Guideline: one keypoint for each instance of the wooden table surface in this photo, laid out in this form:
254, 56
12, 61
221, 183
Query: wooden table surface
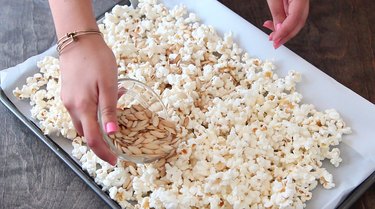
337, 38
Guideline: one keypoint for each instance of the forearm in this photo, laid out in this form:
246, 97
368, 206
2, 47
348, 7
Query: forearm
72, 15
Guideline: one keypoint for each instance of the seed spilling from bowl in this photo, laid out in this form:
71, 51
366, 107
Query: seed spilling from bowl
142, 132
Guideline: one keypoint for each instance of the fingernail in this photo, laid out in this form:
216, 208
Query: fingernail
114, 162
278, 26
271, 37
276, 44
277, 41
121, 91
111, 127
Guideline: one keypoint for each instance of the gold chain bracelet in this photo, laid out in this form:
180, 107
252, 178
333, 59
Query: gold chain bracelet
72, 37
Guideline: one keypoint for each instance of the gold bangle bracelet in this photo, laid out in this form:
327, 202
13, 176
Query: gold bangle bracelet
72, 37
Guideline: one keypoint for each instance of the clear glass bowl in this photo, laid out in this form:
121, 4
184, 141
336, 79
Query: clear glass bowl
133, 92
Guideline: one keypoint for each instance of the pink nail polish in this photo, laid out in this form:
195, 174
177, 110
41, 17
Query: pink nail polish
114, 162
278, 26
111, 128
270, 38
276, 44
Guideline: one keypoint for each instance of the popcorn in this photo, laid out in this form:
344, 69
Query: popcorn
78, 150
246, 139
120, 194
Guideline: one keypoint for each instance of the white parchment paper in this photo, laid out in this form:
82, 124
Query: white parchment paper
357, 149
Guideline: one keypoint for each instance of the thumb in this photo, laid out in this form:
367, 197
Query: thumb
107, 106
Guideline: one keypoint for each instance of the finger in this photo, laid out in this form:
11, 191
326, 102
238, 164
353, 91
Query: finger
293, 23
75, 119
121, 91
270, 38
77, 124
94, 138
286, 33
269, 24
282, 41
286, 6
108, 94
277, 11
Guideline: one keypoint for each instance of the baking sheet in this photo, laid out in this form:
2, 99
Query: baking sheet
317, 88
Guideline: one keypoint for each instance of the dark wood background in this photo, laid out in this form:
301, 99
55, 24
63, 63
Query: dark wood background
338, 39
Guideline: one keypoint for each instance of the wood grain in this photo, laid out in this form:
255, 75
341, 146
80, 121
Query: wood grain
338, 39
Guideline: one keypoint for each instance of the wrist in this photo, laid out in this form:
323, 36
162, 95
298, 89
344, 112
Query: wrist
84, 44
75, 36
64, 32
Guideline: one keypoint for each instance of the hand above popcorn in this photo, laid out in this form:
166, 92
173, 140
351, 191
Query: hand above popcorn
288, 18
89, 83
88, 75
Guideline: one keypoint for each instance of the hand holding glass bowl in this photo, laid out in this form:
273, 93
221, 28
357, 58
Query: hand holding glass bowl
145, 132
